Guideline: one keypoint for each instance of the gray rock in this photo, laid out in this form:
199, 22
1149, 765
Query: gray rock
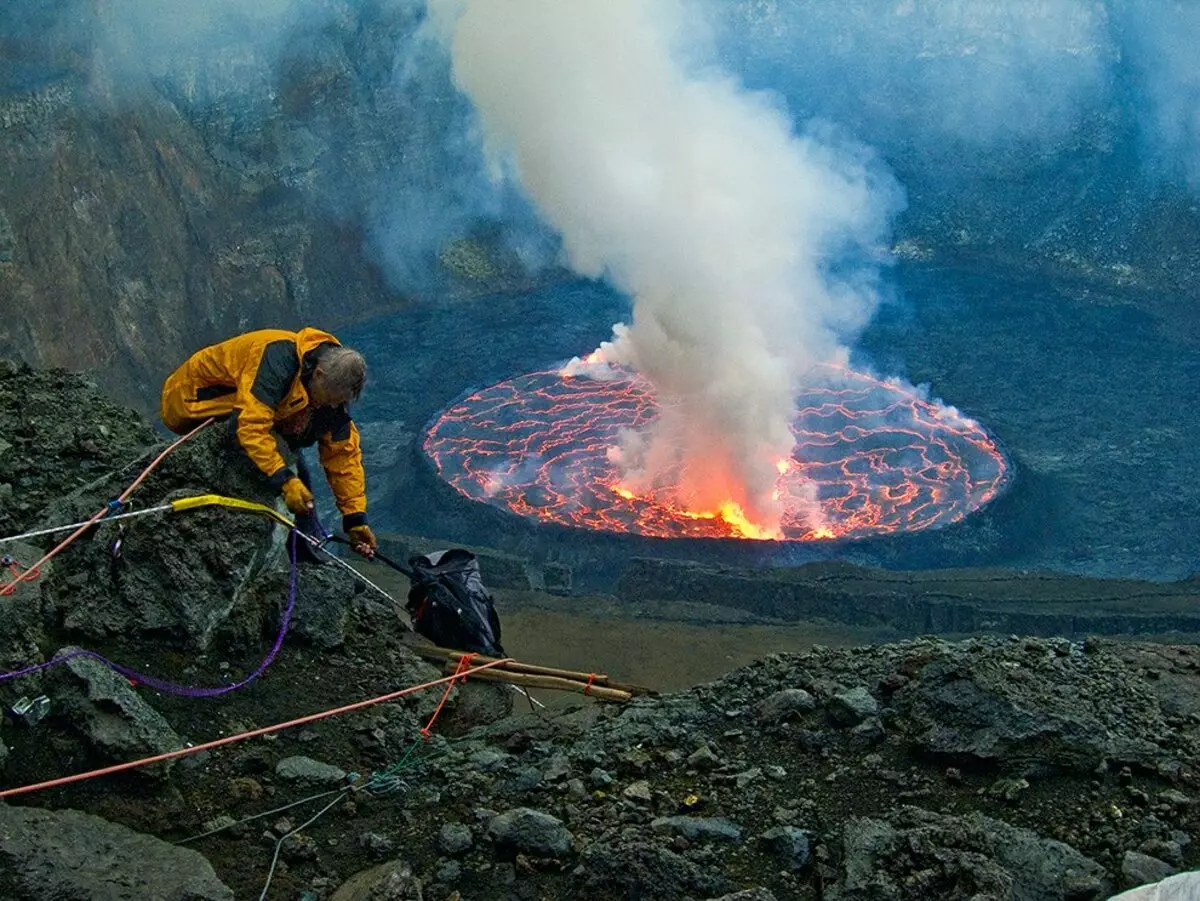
448, 871
974, 699
638, 791
1164, 849
489, 760
527, 779
849, 708
378, 845
112, 717
750, 894
956, 857
557, 769
1139, 869
635, 869
391, 881
479, 703
576, 789
531, 831
68, 854
693, 828
599, 778
1083, 887
784, 705
455, 838
703, 759
790, 845
187, 577
305, 769
556, 578
323, 605
3, 754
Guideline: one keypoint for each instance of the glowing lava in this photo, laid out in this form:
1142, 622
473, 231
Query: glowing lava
880, 458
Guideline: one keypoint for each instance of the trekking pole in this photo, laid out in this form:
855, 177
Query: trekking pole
379, 555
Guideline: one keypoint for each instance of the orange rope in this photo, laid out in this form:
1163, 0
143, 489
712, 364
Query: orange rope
241, 736
587, 689
32, 571
463, 663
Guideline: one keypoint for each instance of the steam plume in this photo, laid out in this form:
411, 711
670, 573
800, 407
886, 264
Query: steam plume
743, 244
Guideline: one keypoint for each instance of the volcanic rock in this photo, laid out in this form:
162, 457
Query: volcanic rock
1140, 869
918, 854
620, 867
792, 846
305, 769
455, 838
785, 704
113, 717
69, 854
531, 831
391, 881
850, 708
1072, 712
699, 828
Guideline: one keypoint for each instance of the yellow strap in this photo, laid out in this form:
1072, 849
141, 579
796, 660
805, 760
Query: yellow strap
235, 503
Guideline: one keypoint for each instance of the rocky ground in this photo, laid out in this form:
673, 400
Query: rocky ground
987, 768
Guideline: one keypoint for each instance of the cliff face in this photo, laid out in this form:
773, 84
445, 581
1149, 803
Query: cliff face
125, 242
126, 245
311, 161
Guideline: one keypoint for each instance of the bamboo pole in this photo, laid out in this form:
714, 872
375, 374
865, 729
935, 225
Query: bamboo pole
556, 683
436, 653
432, 652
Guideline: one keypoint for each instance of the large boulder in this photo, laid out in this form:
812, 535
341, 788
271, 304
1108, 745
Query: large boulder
111, 716
175, 576
916, 854
996, 700
391, 881
68, 854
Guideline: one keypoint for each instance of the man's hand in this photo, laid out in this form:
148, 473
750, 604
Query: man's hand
298, 498
362, 539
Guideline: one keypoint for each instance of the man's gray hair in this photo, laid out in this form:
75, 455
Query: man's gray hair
345, 370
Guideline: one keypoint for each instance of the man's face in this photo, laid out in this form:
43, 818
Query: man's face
320, 393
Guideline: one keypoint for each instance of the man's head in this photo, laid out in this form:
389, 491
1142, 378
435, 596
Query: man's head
338, 378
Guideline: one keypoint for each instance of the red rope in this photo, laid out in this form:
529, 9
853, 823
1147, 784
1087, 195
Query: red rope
32, 572
463, 663
241, 736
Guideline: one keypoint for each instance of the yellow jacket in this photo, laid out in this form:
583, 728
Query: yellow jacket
258, 379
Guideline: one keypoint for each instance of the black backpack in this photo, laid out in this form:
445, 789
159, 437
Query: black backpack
449, 604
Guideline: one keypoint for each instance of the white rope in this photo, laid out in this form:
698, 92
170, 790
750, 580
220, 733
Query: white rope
320, 546
166, 508
163, 508
279, 842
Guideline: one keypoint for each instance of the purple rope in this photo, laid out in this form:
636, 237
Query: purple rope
173, 688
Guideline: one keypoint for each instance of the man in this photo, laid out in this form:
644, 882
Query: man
297, 385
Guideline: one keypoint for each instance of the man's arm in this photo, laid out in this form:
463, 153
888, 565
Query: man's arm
264, 381
341, 457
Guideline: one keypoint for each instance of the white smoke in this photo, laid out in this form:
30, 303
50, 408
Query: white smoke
697, 198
